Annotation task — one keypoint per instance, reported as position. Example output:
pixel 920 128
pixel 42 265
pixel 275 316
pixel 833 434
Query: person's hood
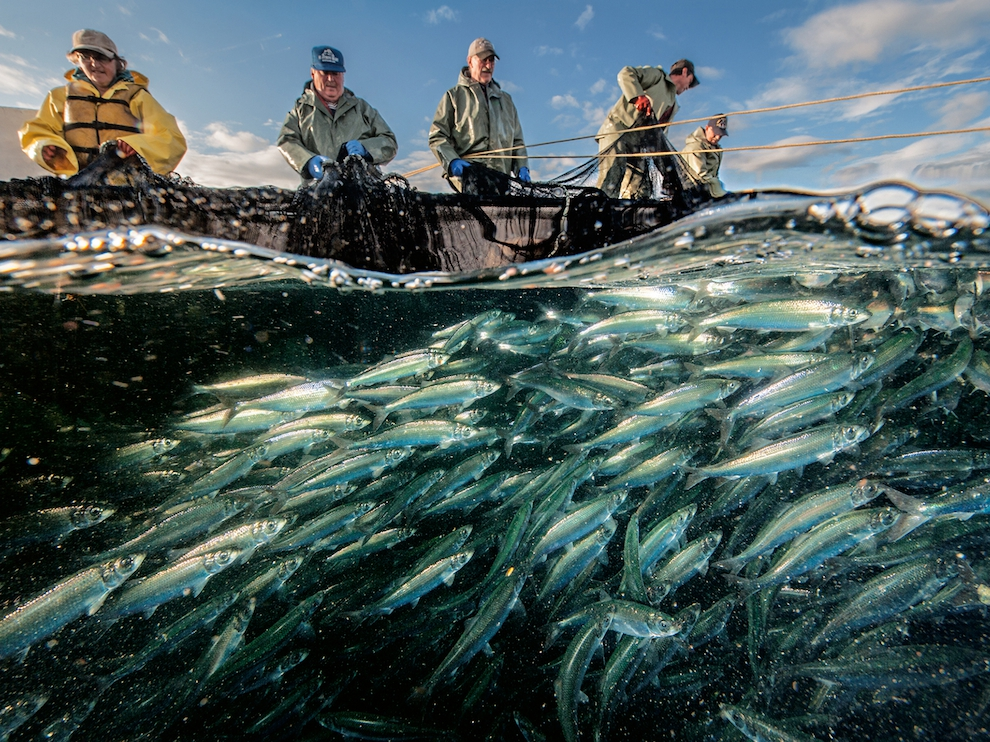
pixel 698 135
pixel 465 79
pixel 126 76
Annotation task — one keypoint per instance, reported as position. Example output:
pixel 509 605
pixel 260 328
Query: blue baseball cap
pixel 328 59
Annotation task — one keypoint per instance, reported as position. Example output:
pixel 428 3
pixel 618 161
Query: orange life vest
pixel 91 120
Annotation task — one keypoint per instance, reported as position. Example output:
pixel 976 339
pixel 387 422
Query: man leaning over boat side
pixel 703 156
pixel 102 101
pixel 329 122
pixel 475 116
pixel 649 96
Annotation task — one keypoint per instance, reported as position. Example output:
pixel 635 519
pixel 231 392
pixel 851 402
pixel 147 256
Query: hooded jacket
pixel 703 159
pixel 634 82
pixel 470 120
pixel 77 115
pixel 310 130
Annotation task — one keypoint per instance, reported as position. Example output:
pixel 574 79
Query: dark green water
pixel 101 348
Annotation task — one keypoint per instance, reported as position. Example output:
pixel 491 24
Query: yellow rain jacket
pixel 622 177
pixel 310 130
pixel 77 119
pixel 703 159
pixel 470 119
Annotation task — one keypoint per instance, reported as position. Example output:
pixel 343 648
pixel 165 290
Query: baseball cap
pixel 87 39
pixel 719 123
pixel 481 47
pixel 328 59
pixel 682 64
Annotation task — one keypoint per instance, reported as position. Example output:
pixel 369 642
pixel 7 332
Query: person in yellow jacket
pixel 329 122
pixel 476 115
pixel 102 101
pixel 649 96
pixel 703 156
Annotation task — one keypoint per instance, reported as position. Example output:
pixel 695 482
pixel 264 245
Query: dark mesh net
pixel 359 216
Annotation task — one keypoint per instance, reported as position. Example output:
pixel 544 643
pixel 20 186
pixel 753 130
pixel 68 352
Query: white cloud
pixel 8 34
pixel 868 31
pixel 962 109
pixel 18 78
pixel 509 86
pixel 161 35
pixel 430 180
pixel 542 51
pixel 229 169
pixel 760 161
pixel 600 86
pixel 221 137
pixel 958 162
pixel 658 34
pixel 585 18
pixel 564 101
pixel 710 73
pixel 443 13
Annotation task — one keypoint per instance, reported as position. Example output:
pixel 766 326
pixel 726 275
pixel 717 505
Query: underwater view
pixel 726 480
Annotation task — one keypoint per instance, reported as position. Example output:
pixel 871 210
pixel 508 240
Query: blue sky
pixel 230 71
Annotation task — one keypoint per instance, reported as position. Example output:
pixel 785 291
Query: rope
pixel 788 145
pixel 489 154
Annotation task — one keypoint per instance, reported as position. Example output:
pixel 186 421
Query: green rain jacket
pixel 634 82
pixel 703 159
pixel 468 121
pixel 310 130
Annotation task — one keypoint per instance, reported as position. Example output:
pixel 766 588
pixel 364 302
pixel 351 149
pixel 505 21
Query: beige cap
pixel 481 47
pixel 95 41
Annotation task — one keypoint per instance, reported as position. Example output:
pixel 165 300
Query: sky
pixel 229 72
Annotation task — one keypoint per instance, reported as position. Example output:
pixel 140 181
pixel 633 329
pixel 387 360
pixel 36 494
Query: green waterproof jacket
pixel 634 82
pixel 703 159
pixel 470 119
pixel 310 130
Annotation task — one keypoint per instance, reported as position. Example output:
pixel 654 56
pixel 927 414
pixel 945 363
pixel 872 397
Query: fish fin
pixel 487 649
pixel 380 415
pixel 197 587
pixel 730 565
pixel 694 368
pixel 582 697
pixel 230 412
pixel 745 585
pixel 96 604
pixel 411 605
pixel 150 612
pixel 703 569
pixel 903 502
pixel 449 579
pixel 904 524
pixel 694 478
pixel 22 655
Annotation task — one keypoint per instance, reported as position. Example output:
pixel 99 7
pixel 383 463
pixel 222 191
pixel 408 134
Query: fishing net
pixel 361 217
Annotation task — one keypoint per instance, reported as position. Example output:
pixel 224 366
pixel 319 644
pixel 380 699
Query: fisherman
pixel 102 102
pixel 649 96
pixel 329 122
pixel 476 116
pixel 703 156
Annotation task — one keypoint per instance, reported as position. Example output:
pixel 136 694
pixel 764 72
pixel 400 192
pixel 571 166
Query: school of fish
pixel 705 510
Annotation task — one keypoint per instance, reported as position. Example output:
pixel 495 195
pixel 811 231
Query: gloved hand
pixel 354 147
pixel 315 166
pixel 524 175
pixel 643 105
pixel 457 167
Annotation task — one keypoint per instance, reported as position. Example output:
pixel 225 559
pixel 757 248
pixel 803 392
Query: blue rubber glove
pixel 524 175
pixel 457 167
pixel 354 147
pixel 315 166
